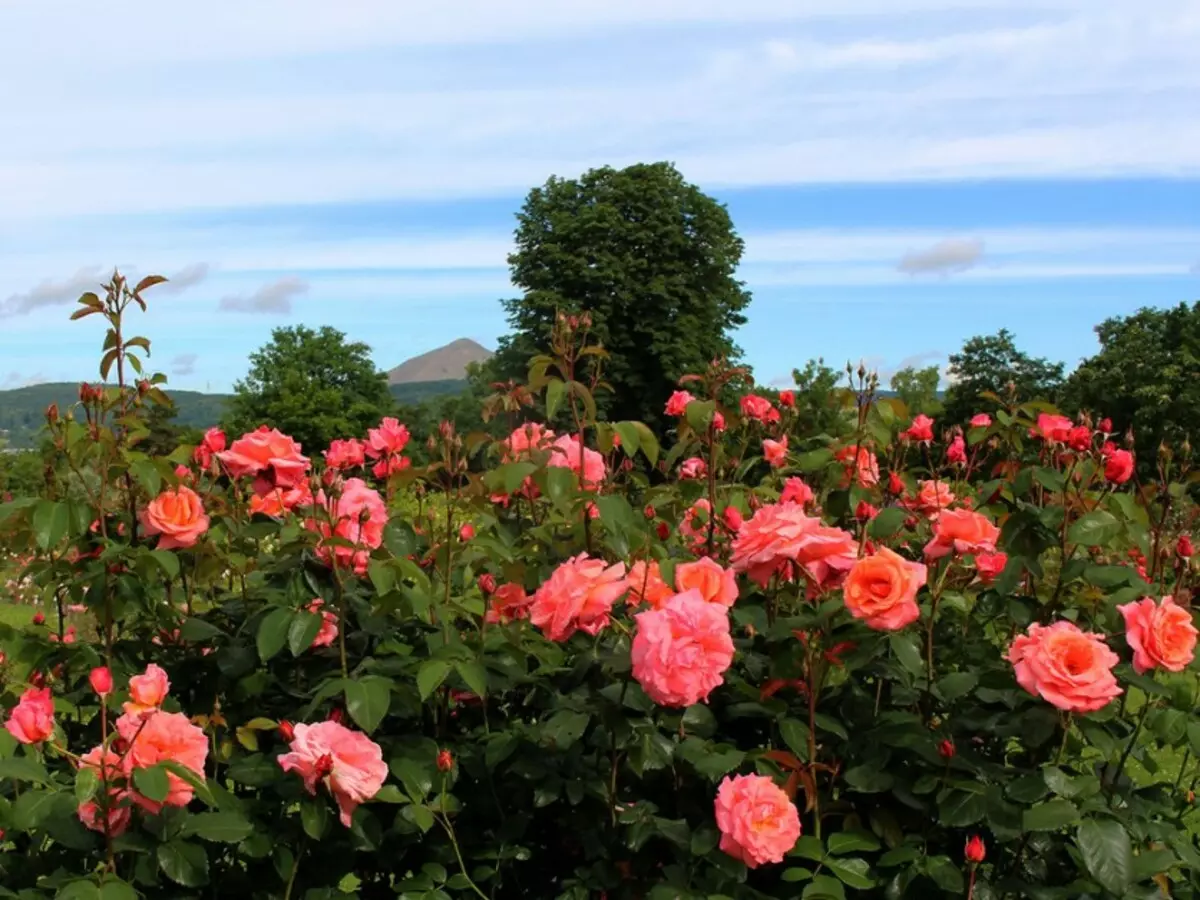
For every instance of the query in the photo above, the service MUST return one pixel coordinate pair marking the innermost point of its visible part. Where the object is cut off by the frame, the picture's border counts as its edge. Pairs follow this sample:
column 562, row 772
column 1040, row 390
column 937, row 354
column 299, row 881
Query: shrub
column 860, row 669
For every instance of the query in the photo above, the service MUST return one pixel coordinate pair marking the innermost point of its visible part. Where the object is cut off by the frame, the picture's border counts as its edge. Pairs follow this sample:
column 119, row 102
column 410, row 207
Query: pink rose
column 348, row 762
column 693, row 467
column 268, row 456
column 932, row 498
column 1066, row 667
column 759, row 409
column 32, row 719
column 1161, row 636
column 277, row 502
column 775, row 452
column 681, row 650
column 509, row 603
column 990, row 565
column 148, row 690
column 962, row 531
column 1118, row 466
column 861, row 465
column 715, row 584
column 578, row 596
column 389, row 439
column 796, row 491
column 956, row 453
column 565, row 453
column 1053, row 429
column 109, row 770
column 212, row 444
column 981, row 420
column 329, row 625
column 781, row 534
column 349, row 454
column 678, row 402
column 359, row 516
column 920, row 431
column 758, row 823
column 159, row 737
column 177, row 515
column 646, row 585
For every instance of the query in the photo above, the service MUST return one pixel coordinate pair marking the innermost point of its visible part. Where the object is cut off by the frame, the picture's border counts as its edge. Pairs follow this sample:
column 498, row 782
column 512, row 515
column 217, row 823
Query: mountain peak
column 448, row 363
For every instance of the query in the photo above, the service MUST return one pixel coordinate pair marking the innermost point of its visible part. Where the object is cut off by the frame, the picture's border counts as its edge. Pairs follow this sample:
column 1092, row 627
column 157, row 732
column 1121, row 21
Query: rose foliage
column 756, row 664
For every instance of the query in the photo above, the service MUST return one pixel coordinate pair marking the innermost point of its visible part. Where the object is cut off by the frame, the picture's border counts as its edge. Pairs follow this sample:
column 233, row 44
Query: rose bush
column 761, row 663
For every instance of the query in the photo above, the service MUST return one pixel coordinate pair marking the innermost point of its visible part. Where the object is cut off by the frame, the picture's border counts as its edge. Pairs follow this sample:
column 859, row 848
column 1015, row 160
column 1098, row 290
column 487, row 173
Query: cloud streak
column 274, row 298
column 53, row 293
column 943, row 258
column 184, row 364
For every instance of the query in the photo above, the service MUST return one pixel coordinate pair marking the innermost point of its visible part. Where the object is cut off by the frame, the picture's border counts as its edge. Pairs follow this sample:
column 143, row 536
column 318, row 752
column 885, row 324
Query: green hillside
column 23, row 410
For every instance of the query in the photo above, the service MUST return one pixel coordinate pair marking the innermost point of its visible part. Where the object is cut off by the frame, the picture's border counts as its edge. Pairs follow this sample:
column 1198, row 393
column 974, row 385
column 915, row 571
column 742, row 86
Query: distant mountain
column 447, row 363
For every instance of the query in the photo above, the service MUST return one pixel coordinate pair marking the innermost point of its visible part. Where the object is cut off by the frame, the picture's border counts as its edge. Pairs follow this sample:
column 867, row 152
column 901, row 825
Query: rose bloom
column 390, row 465
column 1161, row 636
column 329, row 625
column 932, row 498
column 956, row 453
column 714, row 583
column 509, row 603
column 694, row 526
column 147, row 691
column 759, row 409
column 348, row 762
column 1054, row 429
column 177, row 516
column 990, row 565
column 882, row 590
column 578, row 596
column 781, row 533
column 348, row 454
column 920, row 431
column 269, row 456
column 32, row 719
column 1069, row 668
column 157, row 737
column 681, row 650
column 389, row 439
column 525, row 439
column 210, row 445
column 1118, row 466
column 693, row 467
column 718, row 420
column 796, row 491
column 962, row 531
column 646, row 584
column 359, row 515
column 1080, row 438
column 109, row 770
column 678, row 402
column 862, row 463
column 758, row 823
column 787, row 399
column 981, row 420
column 278, row 502
column 775, row 452
column 564, row 453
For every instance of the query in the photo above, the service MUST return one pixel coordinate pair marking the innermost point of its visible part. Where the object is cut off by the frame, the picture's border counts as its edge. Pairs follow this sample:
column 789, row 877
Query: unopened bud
column 946, row 749
column 445, row 762
column 52, row 413
column 975, row 850
column 287, row 731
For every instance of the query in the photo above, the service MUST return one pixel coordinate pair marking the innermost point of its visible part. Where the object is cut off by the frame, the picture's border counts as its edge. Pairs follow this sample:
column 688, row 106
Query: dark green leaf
column 50, row 523
column 1107, row 853
column 1050, row 816
column 852, row 842
column 225, row 827
column 962, row 808
column 183, row 863
column 853, row 873
column 273, row 633
column 302, row 631
column 152, row 783
column 367, row 701
column 907, row 653
column 474, row 674
column 824, row 888
column 430, row 676
column 1094, row 529
column 889, row 521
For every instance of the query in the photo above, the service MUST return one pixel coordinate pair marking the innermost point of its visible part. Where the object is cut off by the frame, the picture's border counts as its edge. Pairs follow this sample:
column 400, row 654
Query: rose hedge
column 756, row 664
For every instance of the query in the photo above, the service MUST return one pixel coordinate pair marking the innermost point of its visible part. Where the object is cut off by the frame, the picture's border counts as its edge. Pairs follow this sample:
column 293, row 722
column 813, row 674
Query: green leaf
column 367, row 701
column 510, row 476
column 50, row 523
column 1094, row 529
column 273, row 633
column 1107, row 853
column 889, row 521
column 224, row 827
column 314, row 817
column 868, row 779
column 431, row 675
column 87, row 780
column 117, row 890
column 1050, row 816
column 795, row 735
column 474, row 674
column 183, row 863
column 630, row 437
column 907, row 653
column 555, row 391
column 853, row 873
column 962, row 808
column 152, row 783
column 78, row 890
column 852, row 842
column 565, row 728
column 167, row 561
column 197, row 781
column 699, row 414
column 302, row 631
column 956, row 685
column 648, row 442
column 31, row 809
column 198, row 631
column 824, row 888
column 22, row 768
column 809, row 847
column 814, row 460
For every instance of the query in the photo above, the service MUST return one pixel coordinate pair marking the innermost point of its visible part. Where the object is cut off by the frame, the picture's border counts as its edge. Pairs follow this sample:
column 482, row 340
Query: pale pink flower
column 682, row 649
column 693, row 467
column 329, row 624
column 159, row 737
column 148, row 690
column 348, row 762
column 32, row 719
column 578, row 596
column 565, row 453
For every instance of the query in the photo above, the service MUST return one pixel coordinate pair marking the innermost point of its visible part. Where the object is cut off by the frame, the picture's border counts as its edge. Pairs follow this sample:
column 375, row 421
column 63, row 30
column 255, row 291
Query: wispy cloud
column 184, row 363
column 14, row 380
column 187, row 277
column 53, row 293
column 944, row 257
column 275, row 297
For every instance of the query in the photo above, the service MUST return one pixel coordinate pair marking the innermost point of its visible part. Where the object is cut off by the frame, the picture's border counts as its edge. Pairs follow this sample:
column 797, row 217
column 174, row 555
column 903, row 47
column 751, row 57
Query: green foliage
column 821, row 406
column 993, row 363
column 314, row 385
column 918, row 389
column 650, row 257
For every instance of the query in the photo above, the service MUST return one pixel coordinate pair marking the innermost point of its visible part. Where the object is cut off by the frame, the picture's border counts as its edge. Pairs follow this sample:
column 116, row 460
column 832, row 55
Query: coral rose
column 329, row 625
column 109, row 770
column 779, row 534
column 148, row 690
column 268, row 456
column 646, row 584
column 693, row 467
column 348, row 762
column 1054, row 429
column 682, row 649
column 962, row 531
column 775, row 452
column 758, row 823
column 212, row 444
column 882, row 590
column 177, row 516
column 678, row 402
column 389, row 439
column 787, row 399
column 1118, row 466
column 920, row 431
column 796, row 491
column 578, row 596
column 1161, row 636
column 715, row 583
column 348, row 454
column 932, row 497
column 981, row 420
column 759, row 409
column 860, row 463
column 509, row 603
column 990, row 565
column 32, row 719
column 1068, row 668
column 565, row 454
column 956, row 453
column 359, row 517
column 159, row 737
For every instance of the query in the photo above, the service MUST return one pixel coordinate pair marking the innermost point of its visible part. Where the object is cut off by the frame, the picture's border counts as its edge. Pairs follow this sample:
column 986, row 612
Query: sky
column 905, row 173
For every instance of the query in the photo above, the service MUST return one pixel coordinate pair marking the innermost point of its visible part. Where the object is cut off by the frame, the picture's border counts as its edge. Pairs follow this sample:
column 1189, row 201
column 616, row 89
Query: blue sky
column 906, row 173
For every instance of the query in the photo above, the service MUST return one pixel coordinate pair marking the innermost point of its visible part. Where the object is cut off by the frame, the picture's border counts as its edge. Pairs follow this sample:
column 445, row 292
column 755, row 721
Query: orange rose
column 962, row 531
column 177, row 515
column 932, row 498
column 1067, row 667
column 882, row 590
column 1159, row 635
column 646, row 585
column 715, row 583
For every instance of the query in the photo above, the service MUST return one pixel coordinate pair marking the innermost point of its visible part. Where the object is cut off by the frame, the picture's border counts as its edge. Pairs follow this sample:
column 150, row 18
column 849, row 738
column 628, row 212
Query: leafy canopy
column 918, row 389
column 649, row 256
column 314, row 385
column 992, row 363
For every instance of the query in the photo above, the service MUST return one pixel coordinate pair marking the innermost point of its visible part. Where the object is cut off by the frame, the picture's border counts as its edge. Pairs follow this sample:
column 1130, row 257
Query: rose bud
column 286, row 731
column 946, row 749
column 445, row 762
column 101, row 680
column 975, row 851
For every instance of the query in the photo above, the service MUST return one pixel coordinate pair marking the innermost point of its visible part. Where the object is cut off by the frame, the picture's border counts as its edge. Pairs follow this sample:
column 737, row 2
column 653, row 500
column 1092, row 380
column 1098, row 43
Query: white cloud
column 14, row 380
column 187, row 277
column 53, row 293
column 275, row 297
column 944, row 257
column 184, row 363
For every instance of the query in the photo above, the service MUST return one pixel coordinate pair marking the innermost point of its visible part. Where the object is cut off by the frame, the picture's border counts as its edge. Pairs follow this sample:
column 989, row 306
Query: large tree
column 314, row 385
column 991, row 363
column 652, row 259
column 918, row 389
column 1146, row 376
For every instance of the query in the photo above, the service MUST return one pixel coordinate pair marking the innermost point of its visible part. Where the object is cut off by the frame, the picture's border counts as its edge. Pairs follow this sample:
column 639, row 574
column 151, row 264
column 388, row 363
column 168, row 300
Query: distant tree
column 820, row 402
column 1145, row 376
column 918, row 389
column 650, row 257
column 22, row 472
column 991, row 363
column 314, row 385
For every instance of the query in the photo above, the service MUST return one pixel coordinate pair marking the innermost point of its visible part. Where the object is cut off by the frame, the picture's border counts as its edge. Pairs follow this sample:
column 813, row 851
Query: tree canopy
column 314, row 385
column 918, row 389
column 649, row 256
column 991, row 363
column 1145, row 376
